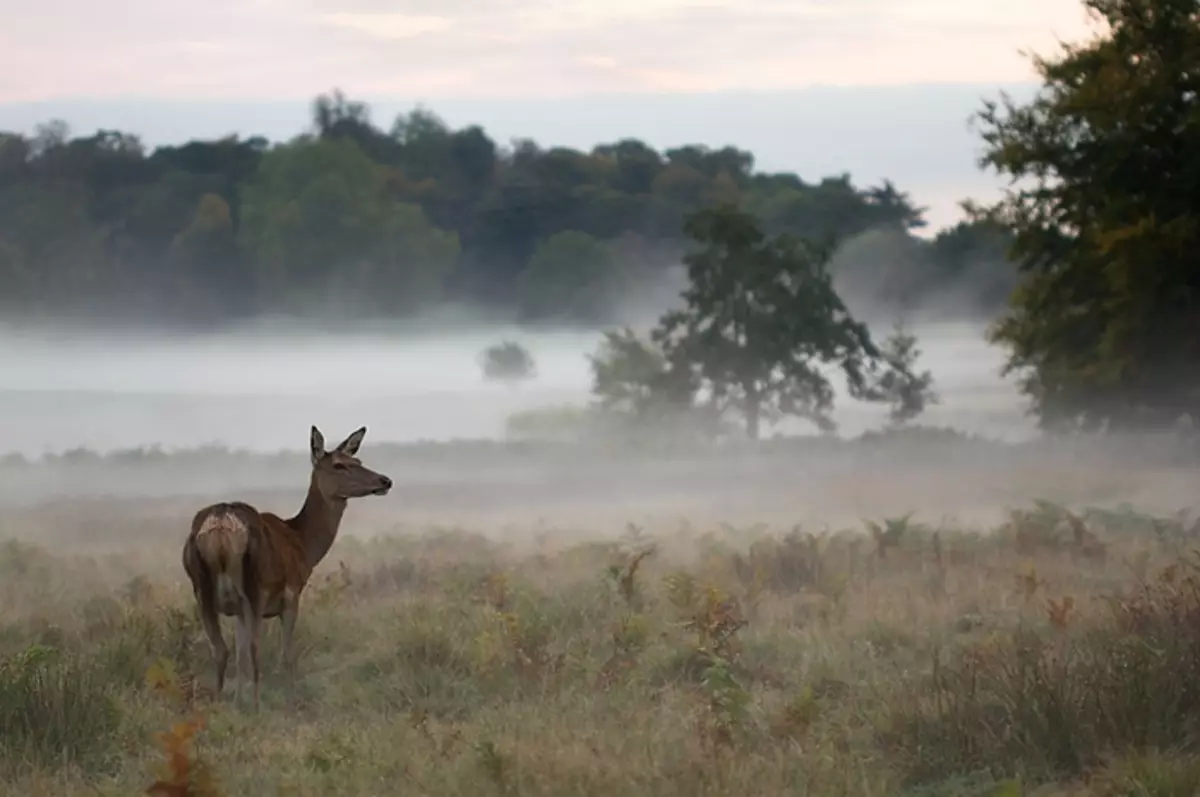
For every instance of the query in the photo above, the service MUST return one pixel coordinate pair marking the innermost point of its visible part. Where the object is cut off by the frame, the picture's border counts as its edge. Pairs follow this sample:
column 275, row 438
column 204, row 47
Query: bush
column 56, row 709
column 508, row 362
column 564, row 423
column 1059, row 700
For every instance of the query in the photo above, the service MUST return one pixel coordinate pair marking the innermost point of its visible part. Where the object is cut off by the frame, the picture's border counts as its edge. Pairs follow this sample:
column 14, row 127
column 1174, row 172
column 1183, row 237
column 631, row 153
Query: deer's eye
column 339, row 466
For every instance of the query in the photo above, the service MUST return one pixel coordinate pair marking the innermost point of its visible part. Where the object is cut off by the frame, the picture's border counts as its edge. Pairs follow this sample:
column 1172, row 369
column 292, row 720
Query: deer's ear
column 316, row 444
column 350, row 445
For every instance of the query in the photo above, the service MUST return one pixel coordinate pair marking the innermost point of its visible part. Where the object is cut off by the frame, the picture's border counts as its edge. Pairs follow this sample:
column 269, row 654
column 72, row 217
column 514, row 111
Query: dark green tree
column 508, row 362
column 761, row 317
column 640, row 391
column 1104, row 326
column 318, row 216
column 571, row 277
column 632, row 376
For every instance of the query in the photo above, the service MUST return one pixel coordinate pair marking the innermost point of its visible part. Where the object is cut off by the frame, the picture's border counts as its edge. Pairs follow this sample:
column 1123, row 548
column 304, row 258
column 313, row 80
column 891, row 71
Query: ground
column 1052, row 650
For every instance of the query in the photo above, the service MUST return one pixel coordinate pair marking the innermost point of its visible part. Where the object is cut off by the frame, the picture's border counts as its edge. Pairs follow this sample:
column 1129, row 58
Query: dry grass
column 1056, row 654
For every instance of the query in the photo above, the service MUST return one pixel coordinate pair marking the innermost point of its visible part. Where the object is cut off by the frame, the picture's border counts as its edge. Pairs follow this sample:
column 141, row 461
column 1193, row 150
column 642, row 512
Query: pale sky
column 530, row 48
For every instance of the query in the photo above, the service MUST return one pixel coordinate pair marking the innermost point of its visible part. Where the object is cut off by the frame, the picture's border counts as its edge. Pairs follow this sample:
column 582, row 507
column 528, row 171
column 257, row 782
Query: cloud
column 246, row 48
column 386, row 26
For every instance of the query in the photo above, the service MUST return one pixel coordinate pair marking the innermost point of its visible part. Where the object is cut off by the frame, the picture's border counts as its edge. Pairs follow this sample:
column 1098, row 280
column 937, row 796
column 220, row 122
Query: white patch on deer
column 231, row 527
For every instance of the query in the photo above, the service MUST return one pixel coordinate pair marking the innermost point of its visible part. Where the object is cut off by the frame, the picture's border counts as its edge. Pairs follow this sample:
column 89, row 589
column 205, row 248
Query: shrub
column 1057, row 701
column 507, row 361
column 56, row 709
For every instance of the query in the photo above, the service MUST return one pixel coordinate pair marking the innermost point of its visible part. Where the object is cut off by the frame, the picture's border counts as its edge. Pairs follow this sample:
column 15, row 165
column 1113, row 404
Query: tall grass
column 894, row 659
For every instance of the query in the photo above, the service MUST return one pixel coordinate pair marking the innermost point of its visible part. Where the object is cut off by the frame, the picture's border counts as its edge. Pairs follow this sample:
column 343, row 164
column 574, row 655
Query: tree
column 1104, row 326
column 631, row 375
column 208, row 246
column 318, row 215
column 970, row 262
column 761, row 316
column 639, row 390
column 571, row 277
column 908, row 393
column 389, row 220
column 508, row 362
column 18, row 283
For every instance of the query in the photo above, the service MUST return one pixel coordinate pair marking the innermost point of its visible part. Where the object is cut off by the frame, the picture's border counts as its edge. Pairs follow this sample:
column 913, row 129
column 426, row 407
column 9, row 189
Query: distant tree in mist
column 508, row 362
column 571, row 277
column 643, row 397
column 1105, row 168
column 907, row 392
column 632, row 376
column 761, row 317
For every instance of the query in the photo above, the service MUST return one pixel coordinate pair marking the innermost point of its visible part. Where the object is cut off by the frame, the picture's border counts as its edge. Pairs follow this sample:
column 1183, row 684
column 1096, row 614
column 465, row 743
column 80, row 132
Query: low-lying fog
column 261, row 391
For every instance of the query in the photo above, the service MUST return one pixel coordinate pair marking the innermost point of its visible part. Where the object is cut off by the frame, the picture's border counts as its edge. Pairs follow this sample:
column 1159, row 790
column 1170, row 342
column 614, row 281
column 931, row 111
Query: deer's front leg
column 287, row 620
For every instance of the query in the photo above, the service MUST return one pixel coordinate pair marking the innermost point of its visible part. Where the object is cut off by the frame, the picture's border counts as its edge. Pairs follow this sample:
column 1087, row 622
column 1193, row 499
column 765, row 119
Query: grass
column 1056, row 654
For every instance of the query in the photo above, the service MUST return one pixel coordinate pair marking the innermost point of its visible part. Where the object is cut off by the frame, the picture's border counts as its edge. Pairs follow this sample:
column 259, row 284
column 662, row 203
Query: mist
column 261, row 389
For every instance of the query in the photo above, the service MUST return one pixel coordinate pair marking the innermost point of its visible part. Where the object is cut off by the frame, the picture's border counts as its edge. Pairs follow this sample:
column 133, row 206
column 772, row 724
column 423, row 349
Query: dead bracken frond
column 182, row 773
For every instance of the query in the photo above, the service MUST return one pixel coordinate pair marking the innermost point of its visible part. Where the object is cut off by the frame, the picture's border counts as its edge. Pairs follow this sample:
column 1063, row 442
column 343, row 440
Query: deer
column 253, row 565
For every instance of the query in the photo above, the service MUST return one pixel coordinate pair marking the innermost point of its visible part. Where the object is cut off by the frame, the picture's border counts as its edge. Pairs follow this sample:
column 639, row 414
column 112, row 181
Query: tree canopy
column 761, row 323
column 1104, row 327
column 396, row 218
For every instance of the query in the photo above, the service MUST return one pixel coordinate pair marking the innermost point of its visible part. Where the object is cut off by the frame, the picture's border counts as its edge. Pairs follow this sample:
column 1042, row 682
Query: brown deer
column 252, row 565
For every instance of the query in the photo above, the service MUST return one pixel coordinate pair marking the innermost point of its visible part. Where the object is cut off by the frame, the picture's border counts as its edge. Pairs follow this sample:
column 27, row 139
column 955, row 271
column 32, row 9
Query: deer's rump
column 219, row 555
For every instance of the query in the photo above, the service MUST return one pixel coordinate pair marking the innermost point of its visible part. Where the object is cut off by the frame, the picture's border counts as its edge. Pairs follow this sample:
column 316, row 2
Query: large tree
column 1105, row 324
column 761, row 320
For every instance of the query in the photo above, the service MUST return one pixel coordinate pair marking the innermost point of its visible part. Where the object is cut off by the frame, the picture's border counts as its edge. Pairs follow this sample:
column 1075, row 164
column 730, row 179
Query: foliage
column 761, row 317
column 1106, row 163
column 56, row 708
column 636, row 387
column 1043, row 703
column 317, row 202
column 632, row 375
column 507, row 361
column 389, row 220
column 571, row 277
column 908, row 393
column 182, row 773
column 566, row 423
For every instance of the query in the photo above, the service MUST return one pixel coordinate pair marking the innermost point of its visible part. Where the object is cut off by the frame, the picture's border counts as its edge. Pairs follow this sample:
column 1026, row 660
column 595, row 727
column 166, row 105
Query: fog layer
column 262, row 391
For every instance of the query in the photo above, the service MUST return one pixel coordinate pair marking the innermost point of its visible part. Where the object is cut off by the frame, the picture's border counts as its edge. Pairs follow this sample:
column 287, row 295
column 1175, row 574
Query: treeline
column 390, row 221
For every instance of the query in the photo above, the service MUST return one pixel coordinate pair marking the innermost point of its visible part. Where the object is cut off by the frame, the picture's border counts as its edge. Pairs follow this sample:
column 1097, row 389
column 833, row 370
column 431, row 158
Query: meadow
column 871, row 629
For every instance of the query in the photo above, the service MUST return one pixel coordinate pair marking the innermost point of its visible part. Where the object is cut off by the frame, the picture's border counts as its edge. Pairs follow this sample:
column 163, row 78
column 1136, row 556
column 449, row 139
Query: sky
column 519, row 66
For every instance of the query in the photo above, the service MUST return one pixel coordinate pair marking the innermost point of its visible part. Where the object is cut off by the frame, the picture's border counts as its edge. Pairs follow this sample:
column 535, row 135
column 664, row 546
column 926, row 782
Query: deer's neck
column 317, row 522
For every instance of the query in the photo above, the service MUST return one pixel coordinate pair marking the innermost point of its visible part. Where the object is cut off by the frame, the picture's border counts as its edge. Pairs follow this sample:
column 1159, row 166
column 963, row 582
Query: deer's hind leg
column 249, row 625
column 247, row 651
column 207, row 599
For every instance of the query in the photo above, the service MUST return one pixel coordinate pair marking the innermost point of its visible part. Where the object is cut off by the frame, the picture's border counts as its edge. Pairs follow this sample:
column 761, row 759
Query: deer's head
column 339, row 474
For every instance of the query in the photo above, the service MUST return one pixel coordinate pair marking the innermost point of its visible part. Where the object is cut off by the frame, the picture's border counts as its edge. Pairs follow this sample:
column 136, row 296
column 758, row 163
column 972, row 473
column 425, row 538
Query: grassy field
column 1056, row 653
